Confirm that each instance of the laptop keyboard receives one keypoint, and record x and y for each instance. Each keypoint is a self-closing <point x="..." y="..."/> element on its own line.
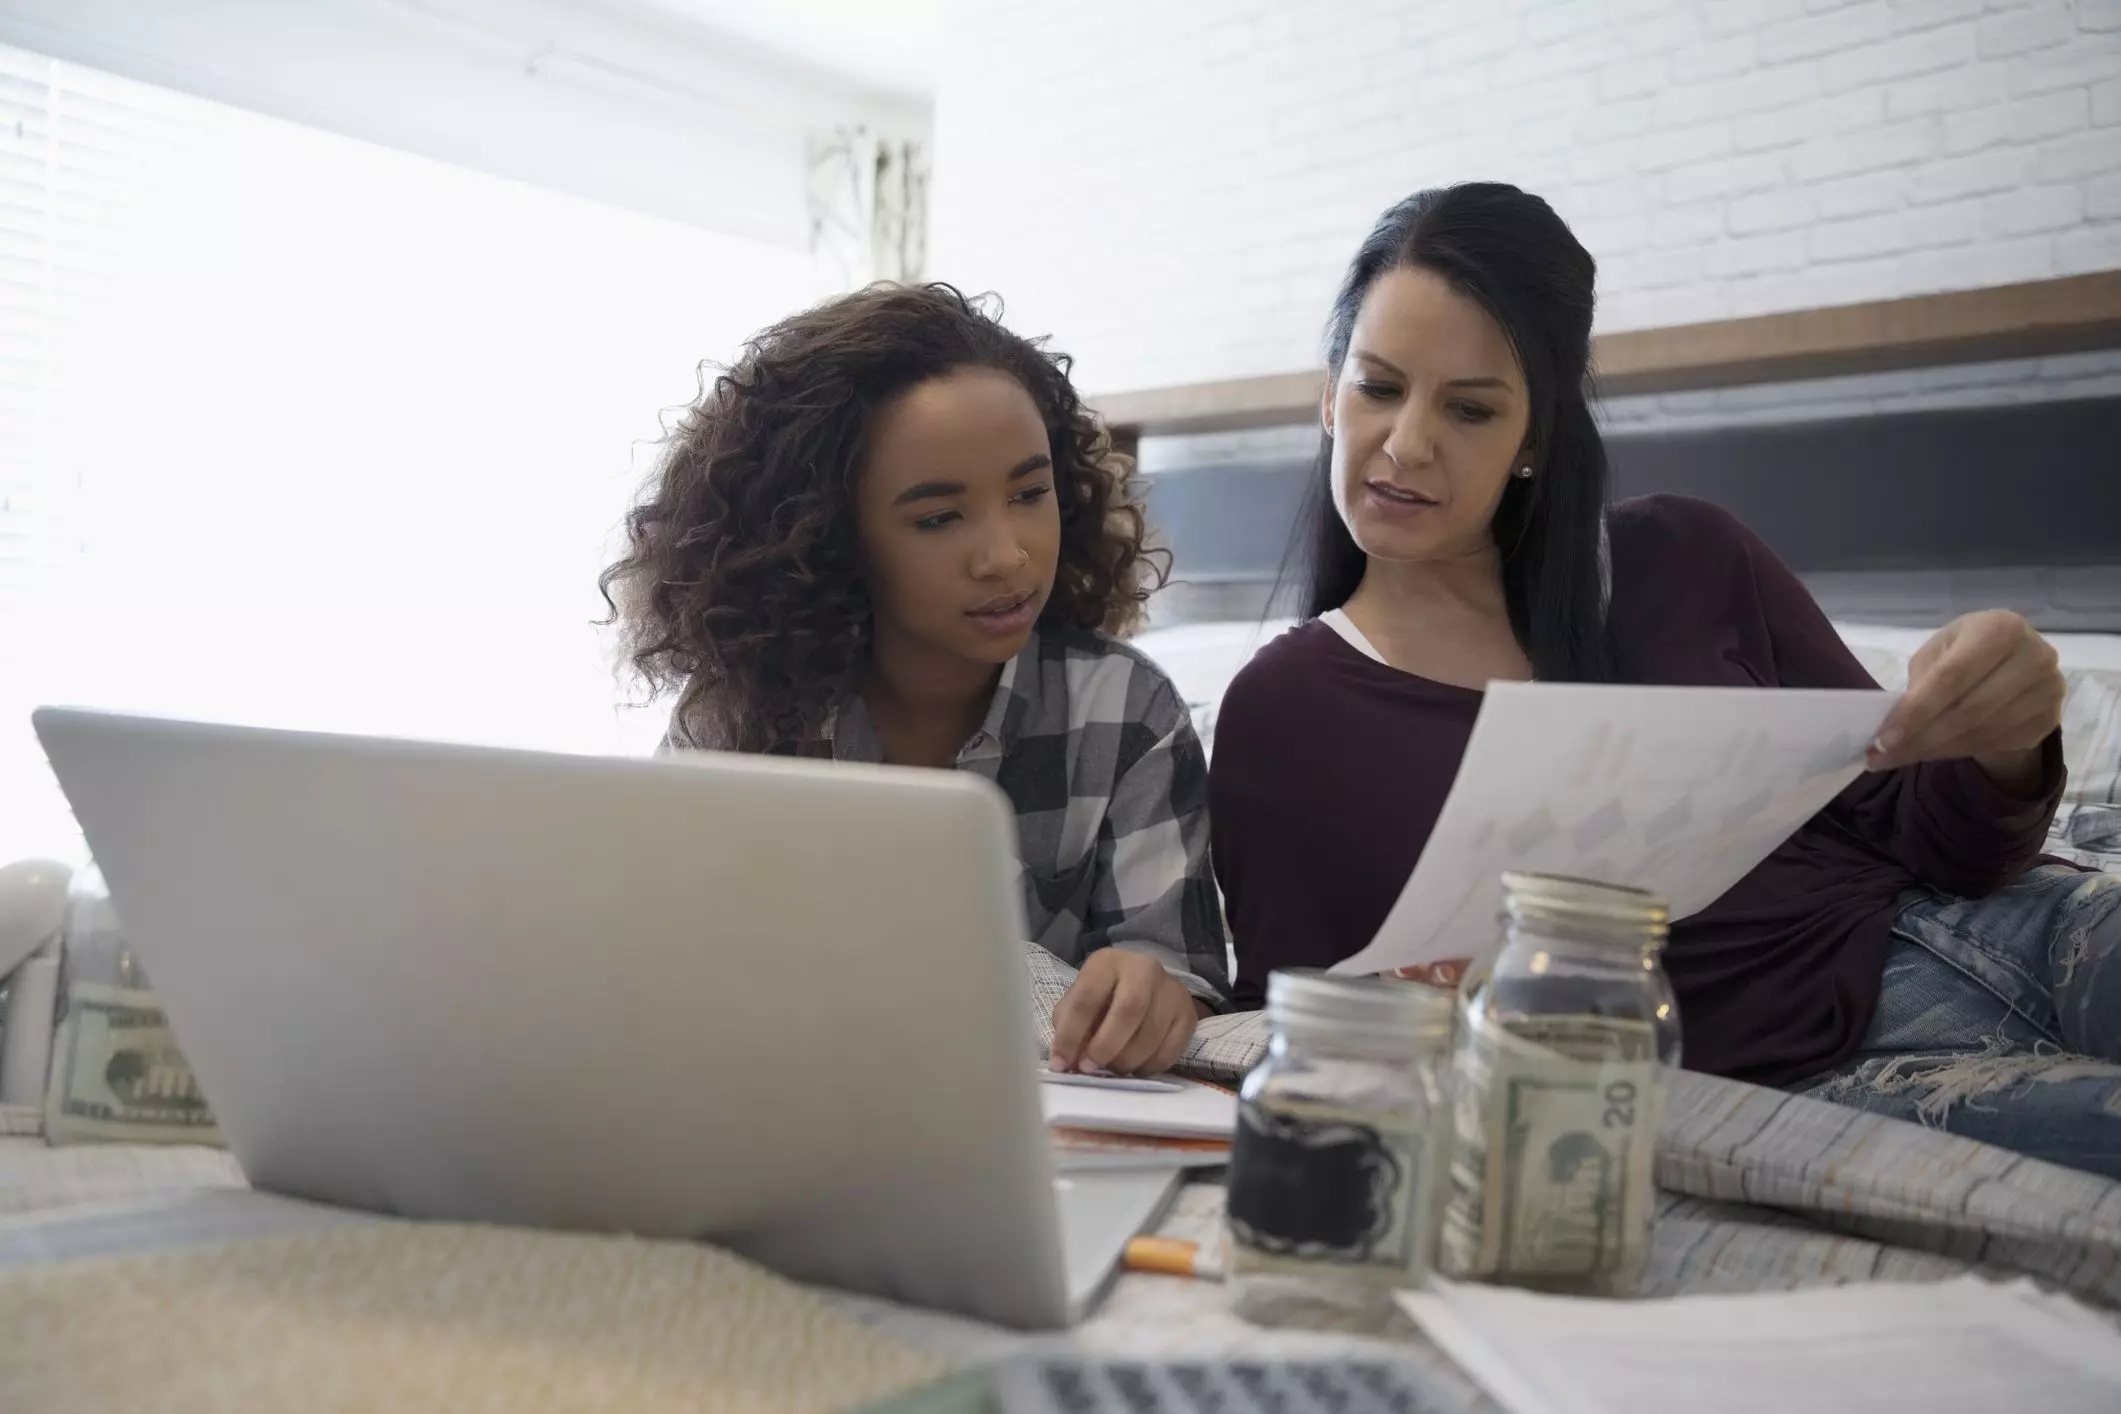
<point x="1069" y="1385"/>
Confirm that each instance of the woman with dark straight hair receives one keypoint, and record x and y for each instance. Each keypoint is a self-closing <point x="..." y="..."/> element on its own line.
<point x="1906" y="951"/>
<point x="1547" y="527"/>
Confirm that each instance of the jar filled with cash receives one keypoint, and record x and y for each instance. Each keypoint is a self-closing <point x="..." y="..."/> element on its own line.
<point x="1558" y="1069"/>
<point x="1343" y="1130"/>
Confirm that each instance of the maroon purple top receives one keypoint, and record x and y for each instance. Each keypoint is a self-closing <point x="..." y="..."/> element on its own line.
<point x="1330" y="768"/>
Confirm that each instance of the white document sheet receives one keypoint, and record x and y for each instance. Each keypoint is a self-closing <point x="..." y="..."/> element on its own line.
<point x="1195" y="1111"/>
<point x="1957" y="1347"/>
<point x="1681" y="790"/>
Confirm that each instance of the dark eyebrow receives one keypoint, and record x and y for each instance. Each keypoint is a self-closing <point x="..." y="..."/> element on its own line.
<point x="1503" y="383"/>
<point x="929" y="491"/>
<point x="941" y="490"/>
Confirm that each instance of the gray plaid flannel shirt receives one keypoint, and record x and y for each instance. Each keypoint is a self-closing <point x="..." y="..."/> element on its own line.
<point x="1097" y="753"/>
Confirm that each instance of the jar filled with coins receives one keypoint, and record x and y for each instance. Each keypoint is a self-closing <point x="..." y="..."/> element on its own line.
<point x="1558" y="1067"/>
<point x="1336" y="1173"/>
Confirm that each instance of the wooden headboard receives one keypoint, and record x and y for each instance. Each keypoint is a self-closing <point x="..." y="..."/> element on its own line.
<point x="2005" y="321"/>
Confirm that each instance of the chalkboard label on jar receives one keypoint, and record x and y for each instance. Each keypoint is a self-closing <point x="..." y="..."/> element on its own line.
<point x="1325" y="1185"/>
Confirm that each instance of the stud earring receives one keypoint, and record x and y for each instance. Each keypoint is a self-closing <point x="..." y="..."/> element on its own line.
<point x="1524" y="473"/>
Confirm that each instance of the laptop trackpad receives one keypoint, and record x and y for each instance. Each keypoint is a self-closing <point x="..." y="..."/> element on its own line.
<point x="1100" y="1209"/>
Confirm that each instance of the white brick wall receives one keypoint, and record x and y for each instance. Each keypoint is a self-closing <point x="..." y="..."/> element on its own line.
<point x="1173" y="187"/>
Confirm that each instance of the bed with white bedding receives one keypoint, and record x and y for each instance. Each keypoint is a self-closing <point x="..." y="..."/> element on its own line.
<point x="250" y="1300"/>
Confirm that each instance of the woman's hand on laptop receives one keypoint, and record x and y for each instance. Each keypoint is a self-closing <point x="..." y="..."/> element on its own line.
<point x="1125" y="1015"/>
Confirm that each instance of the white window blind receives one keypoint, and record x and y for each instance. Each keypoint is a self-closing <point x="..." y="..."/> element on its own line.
<point x="296" y="430"/>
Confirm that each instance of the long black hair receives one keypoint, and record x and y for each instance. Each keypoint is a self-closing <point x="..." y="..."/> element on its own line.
<point x="1506" y="250"/>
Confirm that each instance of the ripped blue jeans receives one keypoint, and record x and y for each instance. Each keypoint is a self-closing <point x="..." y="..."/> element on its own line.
<point x="2001" y="1020"/>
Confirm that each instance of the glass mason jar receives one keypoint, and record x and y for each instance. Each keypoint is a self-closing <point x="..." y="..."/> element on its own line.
<point x="1343" y="1133"/>
<point x="1559" y="1089"/>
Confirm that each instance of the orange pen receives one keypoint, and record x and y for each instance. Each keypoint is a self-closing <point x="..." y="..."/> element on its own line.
<point x="1173" y="1257"/>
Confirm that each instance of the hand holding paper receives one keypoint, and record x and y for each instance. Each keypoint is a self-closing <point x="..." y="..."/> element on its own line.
<point x="1681" y="790"/>
<point x="1986" y="687"/>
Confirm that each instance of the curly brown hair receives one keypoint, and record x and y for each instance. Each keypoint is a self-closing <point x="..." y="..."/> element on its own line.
<point x="741" y="584"/>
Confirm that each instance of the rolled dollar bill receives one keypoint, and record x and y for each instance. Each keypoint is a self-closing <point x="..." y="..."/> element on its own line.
<point x="1553" y="1174"/>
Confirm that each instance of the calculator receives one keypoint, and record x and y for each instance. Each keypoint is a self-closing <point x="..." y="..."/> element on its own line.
<point x="1076" y="1384"/>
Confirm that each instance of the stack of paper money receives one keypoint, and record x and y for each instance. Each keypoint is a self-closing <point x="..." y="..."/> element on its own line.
<point x="116" y="1074"/>
<point x="1553" y="1172"/>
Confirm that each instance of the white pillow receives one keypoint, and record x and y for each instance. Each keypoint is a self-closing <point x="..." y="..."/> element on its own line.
<point x="1201" y="659"/>
<point x="1883" y="650"/>
<point x="2088" y="824"/>
<point x="1888" y="641"/>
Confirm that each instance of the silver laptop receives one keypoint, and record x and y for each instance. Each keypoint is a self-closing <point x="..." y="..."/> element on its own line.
<point x="779" y="1006"/>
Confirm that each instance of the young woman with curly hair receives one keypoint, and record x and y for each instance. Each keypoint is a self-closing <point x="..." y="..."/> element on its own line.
<point x="889" y="532"/>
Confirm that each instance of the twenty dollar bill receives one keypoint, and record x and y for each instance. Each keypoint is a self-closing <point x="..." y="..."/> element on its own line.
<point x="1553" y="1174"/>
<point x="117" y="1074"/>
